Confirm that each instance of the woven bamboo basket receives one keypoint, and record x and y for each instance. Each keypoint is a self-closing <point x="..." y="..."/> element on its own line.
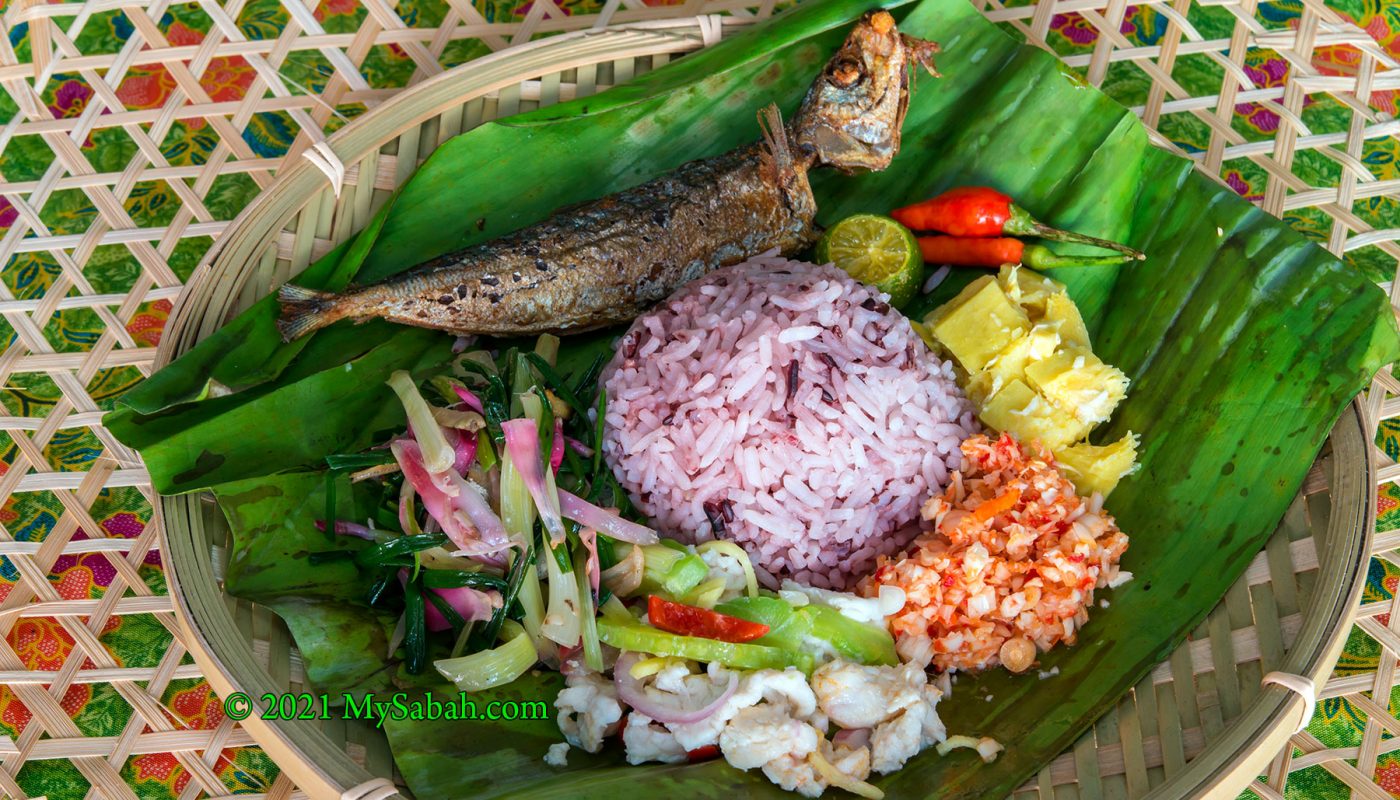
<point x="1200" y="724"/>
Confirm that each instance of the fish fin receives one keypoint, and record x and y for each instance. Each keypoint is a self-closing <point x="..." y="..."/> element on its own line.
<point x="303" y="311"/>
<point x="770" y="123"/>
<point x="921" y="52"/>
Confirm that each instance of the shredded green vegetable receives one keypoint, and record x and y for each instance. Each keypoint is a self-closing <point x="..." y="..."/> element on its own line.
<point x="415" y="637"/>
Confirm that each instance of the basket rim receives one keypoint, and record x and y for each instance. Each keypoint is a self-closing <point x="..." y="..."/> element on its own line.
<point x="1237" y="755"/>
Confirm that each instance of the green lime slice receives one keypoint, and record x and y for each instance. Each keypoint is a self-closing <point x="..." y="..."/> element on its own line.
<point x="877" y="251"/>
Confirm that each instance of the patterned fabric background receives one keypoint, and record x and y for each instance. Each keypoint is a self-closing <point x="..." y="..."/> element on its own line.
<point x="138" y="641"/>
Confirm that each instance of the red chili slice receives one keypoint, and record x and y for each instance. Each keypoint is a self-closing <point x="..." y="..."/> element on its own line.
<point x="692" y="621"/>
<point x="705" y="753"/>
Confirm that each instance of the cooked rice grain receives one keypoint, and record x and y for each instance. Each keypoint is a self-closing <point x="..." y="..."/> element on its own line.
<point x="815" y="477"/>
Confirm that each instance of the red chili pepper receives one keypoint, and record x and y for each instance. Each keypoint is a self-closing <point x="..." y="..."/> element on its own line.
<point x="705" y="753"/>
<point x="965" y="252"/>
<point x="980" y="211"/>
<point x="692" y="621"/>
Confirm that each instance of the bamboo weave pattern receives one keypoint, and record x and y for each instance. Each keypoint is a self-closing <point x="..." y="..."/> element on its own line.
<point x="136" y="132"/>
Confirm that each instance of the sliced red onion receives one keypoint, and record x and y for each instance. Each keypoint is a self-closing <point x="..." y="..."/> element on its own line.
<point x="523" y="444"/>
<point x="589" y="537"/>
<point x="473" y="402"/>
<point x="573" y="507"/>
<point x="630" y="691"/>
<point x="464" y="451"/>
<point x="347" y="528"/>
<point x="556" y="450"/>
<point x="852" y="738"/>
<point x="579" y="447"/>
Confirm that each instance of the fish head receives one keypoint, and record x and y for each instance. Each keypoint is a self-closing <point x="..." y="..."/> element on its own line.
<point x="852" y="114"/>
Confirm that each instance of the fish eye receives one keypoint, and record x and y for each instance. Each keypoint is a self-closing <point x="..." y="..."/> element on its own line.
<point x="846" y="73"/>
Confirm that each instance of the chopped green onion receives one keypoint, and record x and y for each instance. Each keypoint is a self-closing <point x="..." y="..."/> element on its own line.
<point x="448" y="612"/>
<point x="521" y="568"/>
<point x="353" y="461"/>
<point x="588" y="380"/>
<point x="490" y="668"/>
<point x="415" y="629"/>
<point x="377" y="589"/>
<point x="485" y="451"/>
<point x="479" y="362"/>
<point x="612" y="608"/>
<point x="556" y="383"/>
<point x="455" y="579"/>
<point x="598" y="437"/>
<point x="402" y="546"/>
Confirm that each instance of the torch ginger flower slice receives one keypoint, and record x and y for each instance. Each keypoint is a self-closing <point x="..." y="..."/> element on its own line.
<point x="1014" y="553"/>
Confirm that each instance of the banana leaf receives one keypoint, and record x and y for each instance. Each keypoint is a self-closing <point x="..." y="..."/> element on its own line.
<point x="344" y="644"/>
<point x="1243" y="342"/>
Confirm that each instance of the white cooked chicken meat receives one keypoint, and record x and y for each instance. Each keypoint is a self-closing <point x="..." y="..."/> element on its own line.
<point x="589" y="710"/>
<point x="896" y="704"/>
<point x="776" y="721"/>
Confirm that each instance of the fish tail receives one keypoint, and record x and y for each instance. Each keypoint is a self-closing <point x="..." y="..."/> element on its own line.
<point x="303" y="311"/>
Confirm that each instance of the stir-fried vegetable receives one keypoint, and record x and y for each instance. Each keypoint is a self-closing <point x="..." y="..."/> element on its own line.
<point x="437" y="453"/>
<point x="628" y="634"/>
<point x="857" y="641"/>
<point x="692" y="621"/>
<point x="786" y="628"/>
<point x="624" y="577"/>
<point x="518" y="516"/>
<point x="588" y="624"/>
<point x="670" y="569"/>
<point x="471" y="486"/>
<point x="604" y="521"/>
<point x="737" y="553"/>
<point x="814" y="624"/>
<point x="495" y="667"/>
<point x="523" y="445"/>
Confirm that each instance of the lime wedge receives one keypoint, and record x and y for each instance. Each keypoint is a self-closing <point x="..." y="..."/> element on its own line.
<point x="877" y="251"/>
